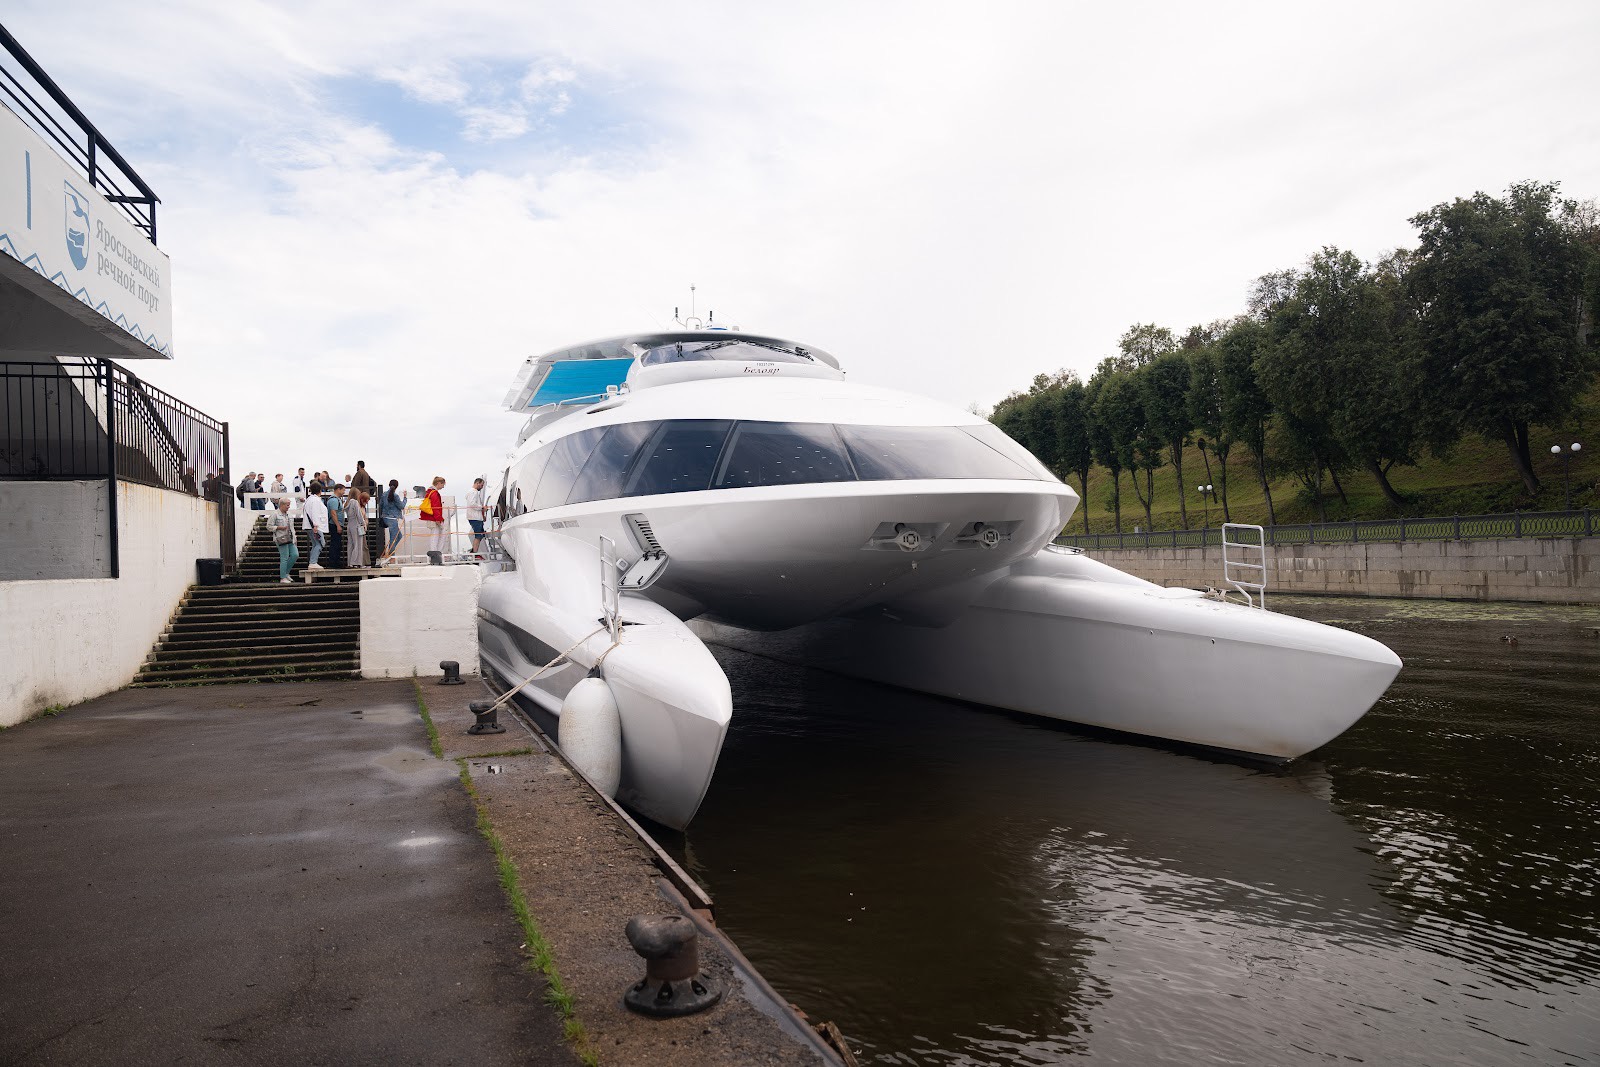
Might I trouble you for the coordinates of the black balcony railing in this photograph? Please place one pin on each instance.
(89, 419)
(60, 416)
(26, 89)
(1447, 528)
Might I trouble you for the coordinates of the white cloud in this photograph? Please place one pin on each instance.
(949, 198)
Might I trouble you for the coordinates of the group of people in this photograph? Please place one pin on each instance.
(209, 487)
(335, 518)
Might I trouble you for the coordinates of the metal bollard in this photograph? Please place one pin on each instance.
(452, 673)
(435, 558)
(672, 983)
(486, 716)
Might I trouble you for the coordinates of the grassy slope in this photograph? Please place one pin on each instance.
(1477, 478)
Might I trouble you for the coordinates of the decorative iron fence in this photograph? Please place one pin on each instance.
(60, 418)
(32, 94)
(1452, 528)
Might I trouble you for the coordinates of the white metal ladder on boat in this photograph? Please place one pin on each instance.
(1245, 566)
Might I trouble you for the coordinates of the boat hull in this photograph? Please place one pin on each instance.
(1066, 638)
(672, 698)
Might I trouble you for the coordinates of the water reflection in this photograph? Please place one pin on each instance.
(957, 886)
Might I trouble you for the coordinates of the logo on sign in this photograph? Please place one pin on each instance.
(77, 226)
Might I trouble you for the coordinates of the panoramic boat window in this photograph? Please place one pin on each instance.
(567, 457)
(735, 350)
(680, 457)
(602, 477)
(893, 453)
(687, 455)
(783, 453)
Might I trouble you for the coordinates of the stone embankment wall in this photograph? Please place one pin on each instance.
(71, 638)
(1548, 570)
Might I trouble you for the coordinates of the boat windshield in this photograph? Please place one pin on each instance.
(732, 349)
(691, 455)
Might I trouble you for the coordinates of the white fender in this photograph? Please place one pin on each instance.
(591, 733)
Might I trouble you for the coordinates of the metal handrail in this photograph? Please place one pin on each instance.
(1575, 523)
(122, 185)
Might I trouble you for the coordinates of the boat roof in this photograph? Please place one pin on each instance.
(584, 371)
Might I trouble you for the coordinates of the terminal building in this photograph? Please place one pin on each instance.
(104, 508)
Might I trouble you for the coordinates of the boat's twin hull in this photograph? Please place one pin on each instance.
(1057, 635)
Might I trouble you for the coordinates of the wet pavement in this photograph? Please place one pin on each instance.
(252, 874)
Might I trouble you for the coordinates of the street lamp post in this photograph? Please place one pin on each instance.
(1566, 462)
(1206, 495)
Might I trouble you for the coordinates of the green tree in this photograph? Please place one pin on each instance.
(1140, 344)
(1165, 385)
(1499, 284)
(1206, 407)
(1075, 435)
(1311, 341)
(1246, 411)
(1121, 406)
(1101, 439)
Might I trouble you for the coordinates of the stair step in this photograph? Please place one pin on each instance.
(286, 669)
(273, 594)
(234, 624)
(249, 679)
(301, 650)
(273, 612)
(233, 657)
(258, 640)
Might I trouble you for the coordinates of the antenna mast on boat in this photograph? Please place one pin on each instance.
(692, 321)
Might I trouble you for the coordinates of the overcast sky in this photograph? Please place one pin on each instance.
(376, 210)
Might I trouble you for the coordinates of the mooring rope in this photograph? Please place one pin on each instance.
(514, 690)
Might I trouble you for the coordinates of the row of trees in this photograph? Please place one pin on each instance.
(1486, 327)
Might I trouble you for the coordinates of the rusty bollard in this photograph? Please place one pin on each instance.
(452, 673)
(486, 718)
(672, 983)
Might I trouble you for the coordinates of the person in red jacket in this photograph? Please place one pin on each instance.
(433, 512)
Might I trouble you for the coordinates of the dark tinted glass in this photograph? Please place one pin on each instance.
(783, 453)
(694, 351)
(679, 457)
(567, 457)
(525, 479)
(892, 453)
(602, 476)
(996, 438)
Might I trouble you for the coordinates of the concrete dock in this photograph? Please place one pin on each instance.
(274, 873)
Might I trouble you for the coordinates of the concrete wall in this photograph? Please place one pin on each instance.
(68, 640)
(54, 530)
(410, 623)
(1550, 570)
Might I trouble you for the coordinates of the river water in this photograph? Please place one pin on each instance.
(958, 886)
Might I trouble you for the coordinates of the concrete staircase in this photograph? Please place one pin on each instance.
(255, 630)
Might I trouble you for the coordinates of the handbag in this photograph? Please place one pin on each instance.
(282, 535)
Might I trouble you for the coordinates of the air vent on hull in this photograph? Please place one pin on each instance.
(643, 536)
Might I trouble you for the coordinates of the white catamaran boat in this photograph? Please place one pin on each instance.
(677, 487)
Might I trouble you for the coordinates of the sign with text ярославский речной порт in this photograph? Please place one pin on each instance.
(55, 224)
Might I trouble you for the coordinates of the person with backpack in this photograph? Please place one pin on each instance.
(392, 510)
(337, 524)
(433, 512)
(282, 527)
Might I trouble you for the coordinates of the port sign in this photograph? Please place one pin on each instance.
(79, 252)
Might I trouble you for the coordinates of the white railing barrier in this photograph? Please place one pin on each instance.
(1244, 562)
